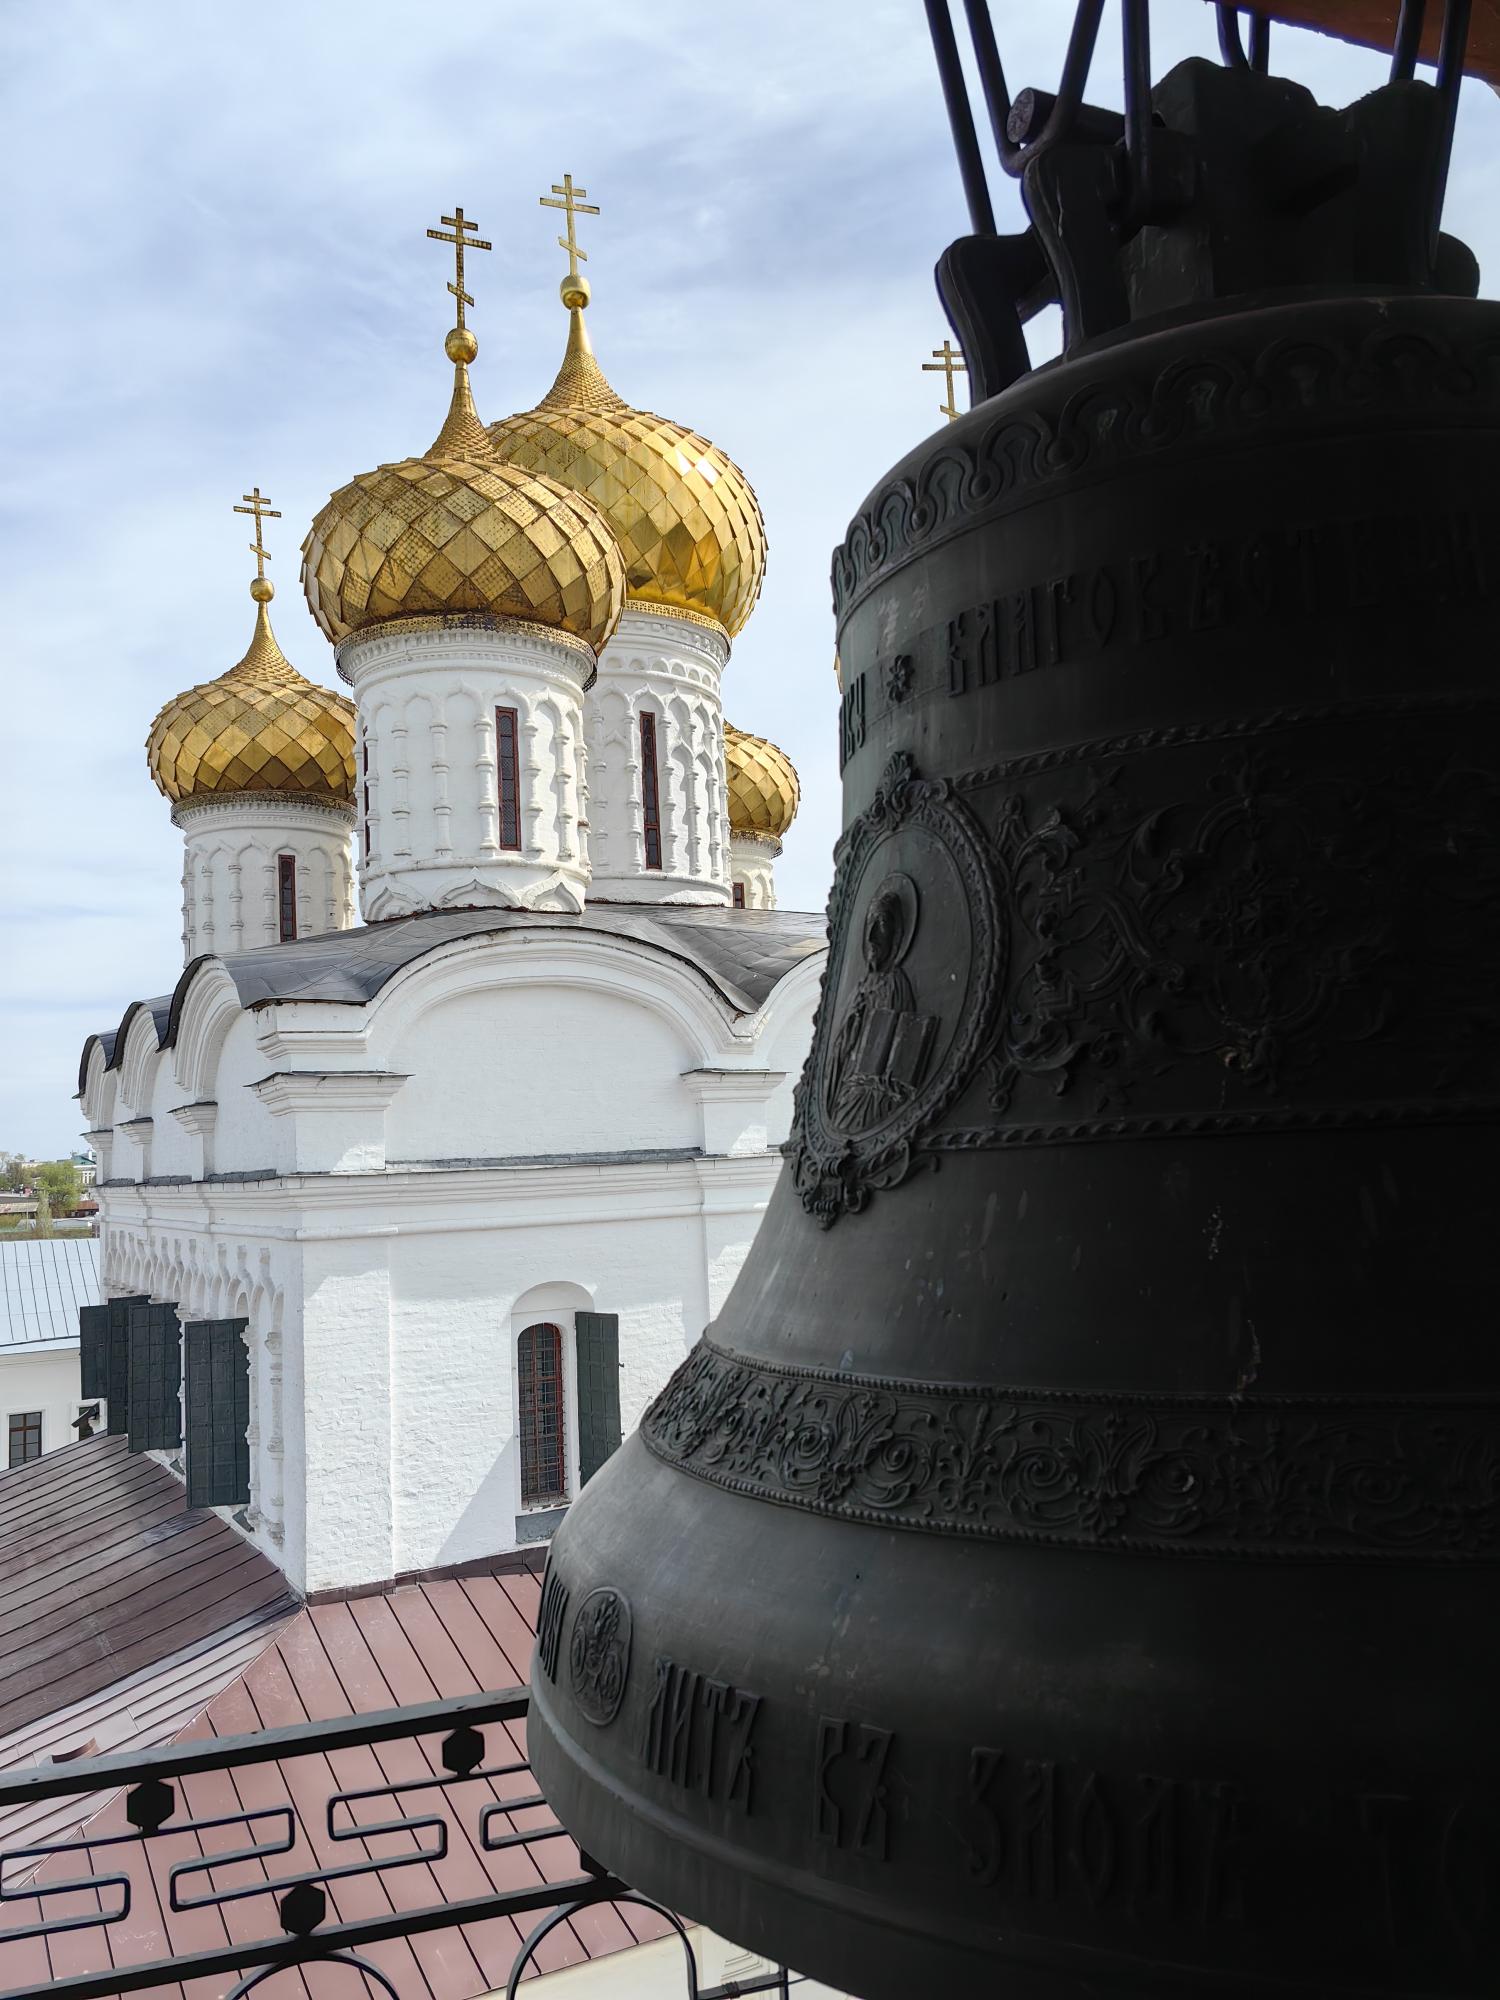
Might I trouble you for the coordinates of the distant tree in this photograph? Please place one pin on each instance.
(57, 1182)
(42, 1224)
(14, 1169)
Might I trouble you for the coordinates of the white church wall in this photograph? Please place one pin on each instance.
(785, 1038)
(543, 1069)
(246, 1139)
(43, 1380)
(630, 1246)
(345, 1511)
(174, 1150)
(397, 1422)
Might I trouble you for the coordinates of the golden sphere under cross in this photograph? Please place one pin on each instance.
(460, 344)
(262, 589)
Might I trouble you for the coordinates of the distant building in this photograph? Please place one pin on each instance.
(42, 1286)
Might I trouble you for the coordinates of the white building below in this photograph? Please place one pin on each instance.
(43, 1285)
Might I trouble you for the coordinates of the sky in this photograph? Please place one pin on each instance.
(215, 275)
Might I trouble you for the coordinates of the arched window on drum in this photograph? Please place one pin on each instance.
(544, 1455)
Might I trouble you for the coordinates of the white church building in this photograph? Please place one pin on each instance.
(405, 1218)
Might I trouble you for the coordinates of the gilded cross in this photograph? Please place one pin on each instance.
(947, 361)
(574, 201)
(463, 235)
(257, 504)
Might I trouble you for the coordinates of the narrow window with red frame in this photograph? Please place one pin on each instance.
(739, 895)
(544, 1458)
(508, 775)
(650, 791)
(364, 765)
(286, 896)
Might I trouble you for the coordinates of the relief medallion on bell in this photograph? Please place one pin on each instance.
(913, 970)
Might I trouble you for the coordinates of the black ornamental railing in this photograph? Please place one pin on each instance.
(282, 1913)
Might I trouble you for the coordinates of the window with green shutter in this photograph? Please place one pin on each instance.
(598, 1338)
(155, 1341)
(93, 1350)
(217, 1402)
(116, 1361)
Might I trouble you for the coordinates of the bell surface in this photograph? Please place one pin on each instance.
(1066, 1567)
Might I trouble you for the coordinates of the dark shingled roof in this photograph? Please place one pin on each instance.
(745, 954)
(103, 1571)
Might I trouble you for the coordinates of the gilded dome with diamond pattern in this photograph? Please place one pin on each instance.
(763, 790)
(686, 517)
(456, 531)
(261, 727)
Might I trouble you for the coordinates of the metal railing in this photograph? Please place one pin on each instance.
(319, 1835)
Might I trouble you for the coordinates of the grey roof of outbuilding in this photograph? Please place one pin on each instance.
(43, 1282)
(745, 954)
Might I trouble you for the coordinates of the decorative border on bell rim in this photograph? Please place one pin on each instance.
(1357, 1478)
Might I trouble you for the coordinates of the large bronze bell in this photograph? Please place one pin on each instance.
(1067, 1566)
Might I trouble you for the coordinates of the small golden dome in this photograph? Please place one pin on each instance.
(763, 790)
(261, 727)
(454, 531)
(686, 517)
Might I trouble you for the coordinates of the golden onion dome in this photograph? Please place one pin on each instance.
(456, 531)
(686, 517)
(763, 790)
(260, 727)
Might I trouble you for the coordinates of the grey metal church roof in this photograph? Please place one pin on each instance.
(745, 954)
(43, 1282)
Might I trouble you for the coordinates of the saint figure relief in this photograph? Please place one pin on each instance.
(882, 1045)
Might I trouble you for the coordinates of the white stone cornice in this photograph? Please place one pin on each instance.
(654, 628)
(735, 1105)
(263, 809)
(478, 641)
(413, 1200)
(335, 1119)
(732, 1086)
(198, 1121)
(197, 1118)
(288, 1091)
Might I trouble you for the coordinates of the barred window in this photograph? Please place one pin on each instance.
(508, 775)
(544, 1459)
(286, 892)
(650, 791)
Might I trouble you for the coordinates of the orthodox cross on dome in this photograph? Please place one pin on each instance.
(256, 503)
(574, 201)
(463, 235)
(947, 361)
